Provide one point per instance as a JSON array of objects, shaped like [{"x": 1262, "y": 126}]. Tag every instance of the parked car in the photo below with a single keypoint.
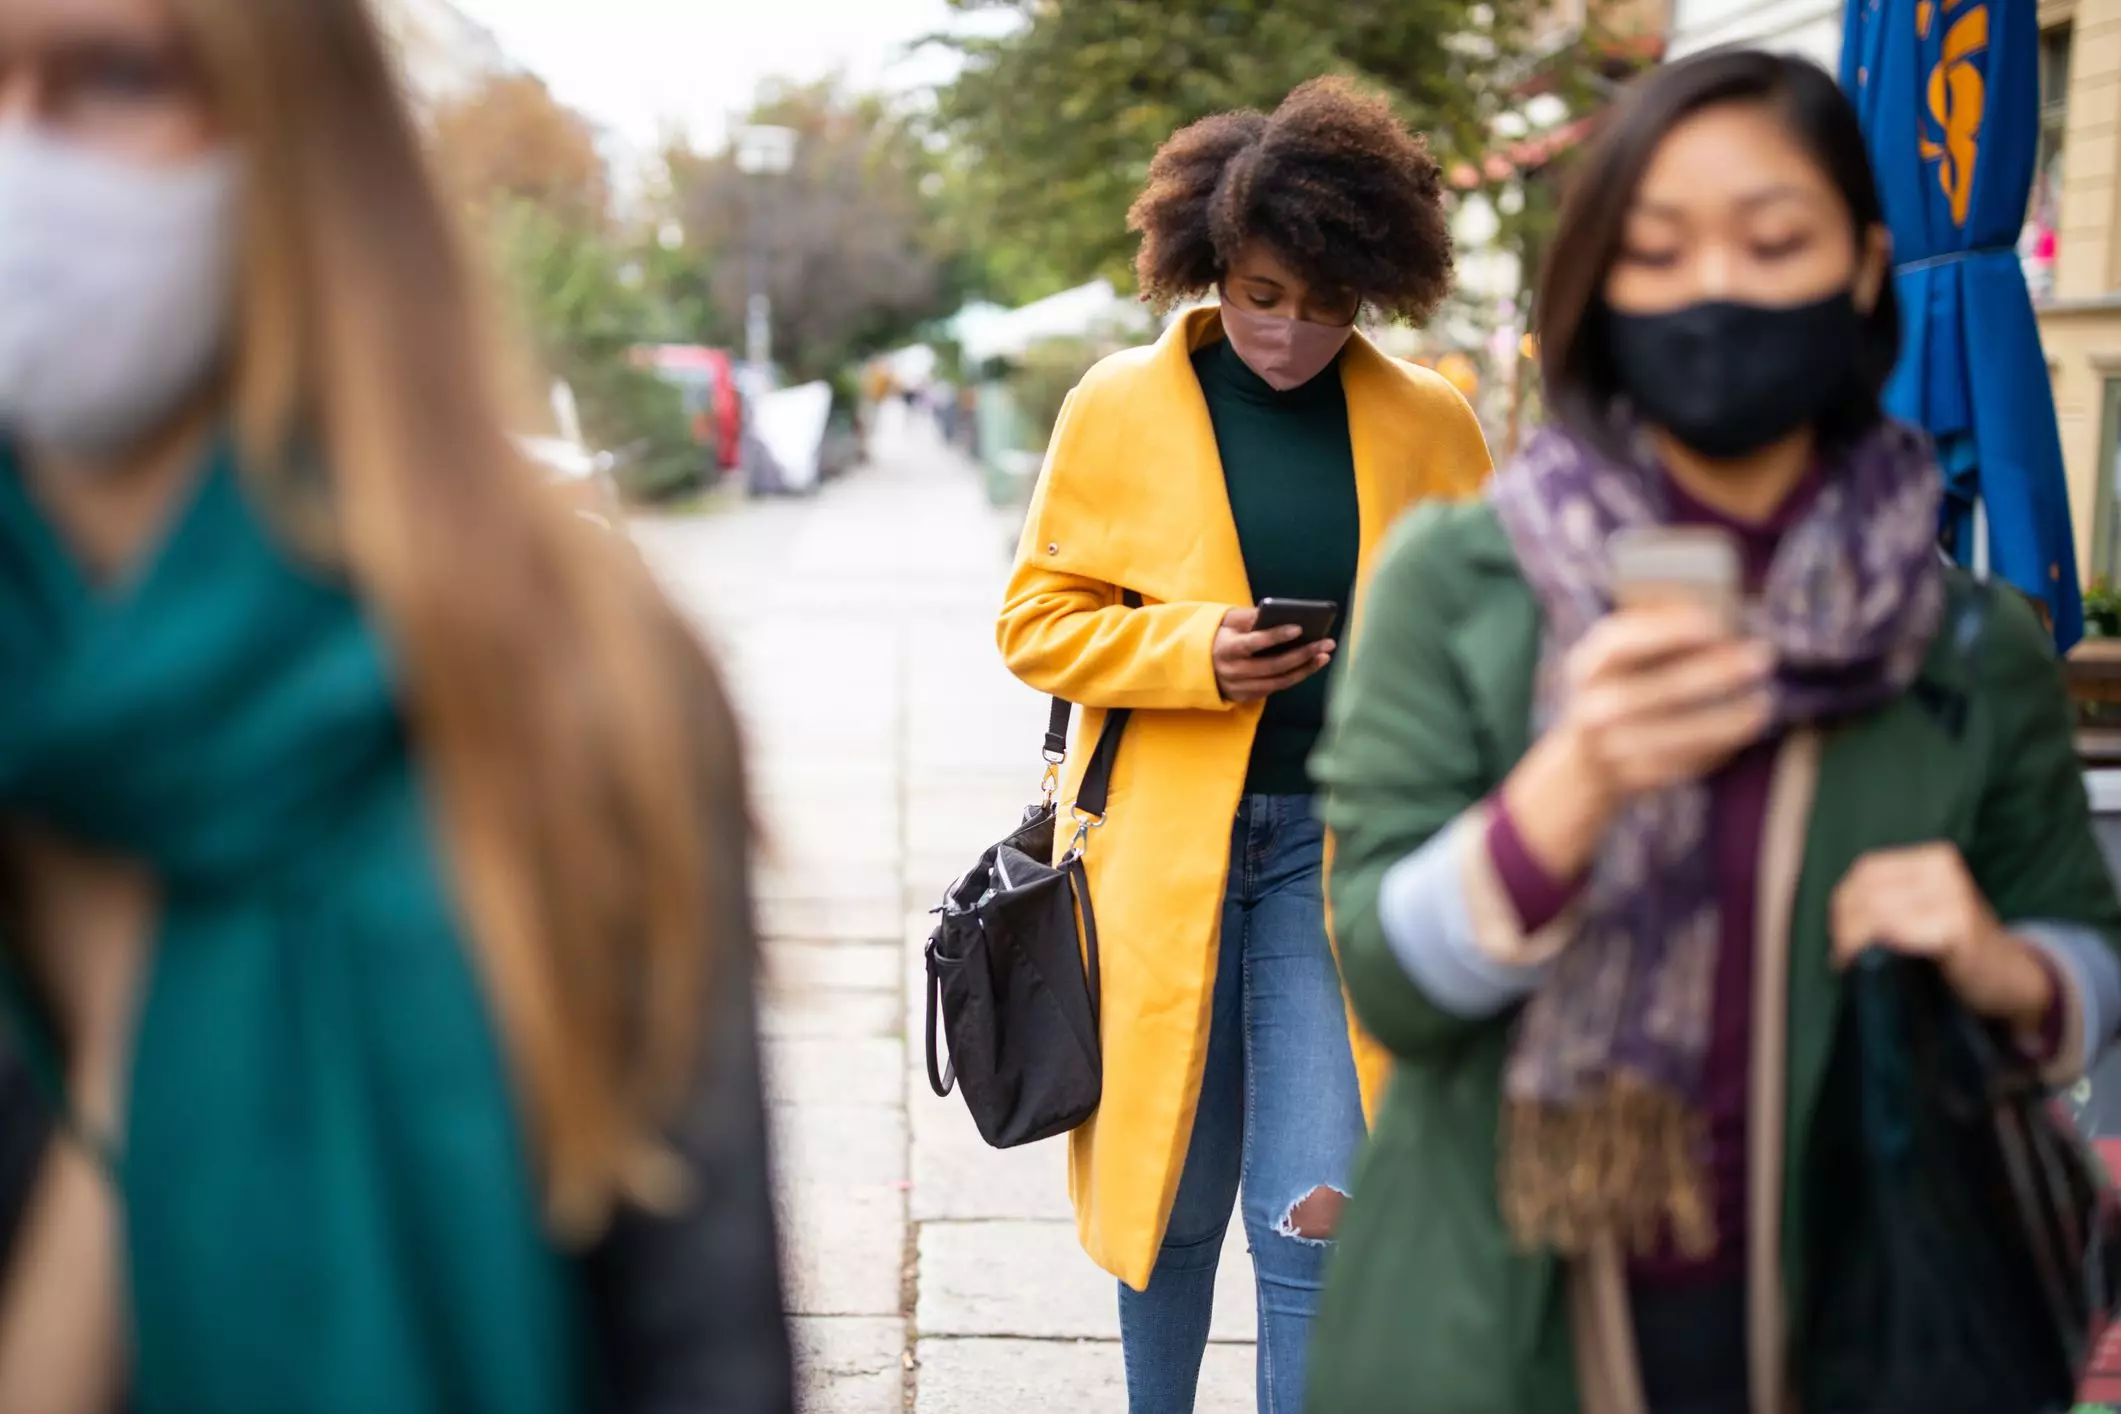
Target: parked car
[{"x": 714, "y": 398}]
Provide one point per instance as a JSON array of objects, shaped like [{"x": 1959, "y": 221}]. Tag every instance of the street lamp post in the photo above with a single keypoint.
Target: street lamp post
[{"x": 761, "y": 151}]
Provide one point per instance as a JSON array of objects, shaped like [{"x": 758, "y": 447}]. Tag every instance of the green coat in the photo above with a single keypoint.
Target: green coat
[{"x": 1429, "y": 1308}]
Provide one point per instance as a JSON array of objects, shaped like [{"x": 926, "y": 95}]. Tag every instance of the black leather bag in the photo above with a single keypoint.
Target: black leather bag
[
  {"x": 1013, "y": 966},
  {"x": 1963, "y": 1250}
]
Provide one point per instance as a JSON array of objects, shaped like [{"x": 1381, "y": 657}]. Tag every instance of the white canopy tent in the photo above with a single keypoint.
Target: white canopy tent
[{"x": 987, "y": 331}]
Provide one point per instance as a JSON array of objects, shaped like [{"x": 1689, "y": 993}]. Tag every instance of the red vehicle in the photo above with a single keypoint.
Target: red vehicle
[{"x": 707, "y": 378}]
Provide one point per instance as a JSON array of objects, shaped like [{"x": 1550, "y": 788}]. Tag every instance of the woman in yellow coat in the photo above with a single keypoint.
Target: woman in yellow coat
[{"x": 1261, "y": 449}]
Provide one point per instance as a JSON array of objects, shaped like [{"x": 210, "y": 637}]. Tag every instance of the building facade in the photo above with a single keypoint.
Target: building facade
[{"x": 2076, "y": 229}]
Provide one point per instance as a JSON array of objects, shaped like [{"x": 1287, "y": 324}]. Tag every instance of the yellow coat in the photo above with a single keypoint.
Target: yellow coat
[{"x": 1133, "y": 497}]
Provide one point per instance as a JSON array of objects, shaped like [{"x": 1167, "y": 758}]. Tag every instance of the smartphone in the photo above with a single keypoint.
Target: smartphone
[
  {"x": 1660, "y": 563},
  {"x": 1316, "y": 617}
]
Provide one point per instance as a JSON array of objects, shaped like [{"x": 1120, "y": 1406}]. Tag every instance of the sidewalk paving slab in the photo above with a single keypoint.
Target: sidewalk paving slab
[
  {"x": 850, "y": 920},
  {"x": 851, "y": 1364},
  {"x": 828, "y": 829},
  {"x": 833, "y": 1070},
  {"x": 830, "y": 1015},
  {"x": 850, "y": 1144},
  {"x": 831, "y": 967},
  {"x": 842, "y": 1249},
  {"x": 1061, "y": 1377},
  {"x": 824, "y": 879},
  {"x": 957, "y": 1177},
  {"x": 1032, "y": 1279}
]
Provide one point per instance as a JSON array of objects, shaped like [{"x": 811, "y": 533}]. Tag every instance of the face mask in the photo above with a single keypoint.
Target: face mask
[
  {"x": 116, "y": 291},
  {"x": 1730, "y": 379},
  {"x": 1286, "y": 353}
]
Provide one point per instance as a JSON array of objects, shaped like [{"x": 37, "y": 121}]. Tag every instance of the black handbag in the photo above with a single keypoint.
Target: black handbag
[
  {"x": 1013, "y": 966},
  {"x": 1963, "y": 1249}
]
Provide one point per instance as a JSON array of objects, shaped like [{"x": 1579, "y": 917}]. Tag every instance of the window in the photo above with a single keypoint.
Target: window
[
  {"x": 2054, "y": 70},
  {"x": 2043, "y": 215},
  {"x": 2106, "y": 525}
]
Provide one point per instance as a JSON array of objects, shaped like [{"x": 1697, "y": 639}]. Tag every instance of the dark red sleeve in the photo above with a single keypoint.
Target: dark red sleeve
[
  {"x": 2044, "y": 1045},
  {"x": 1537, "y": 895}
]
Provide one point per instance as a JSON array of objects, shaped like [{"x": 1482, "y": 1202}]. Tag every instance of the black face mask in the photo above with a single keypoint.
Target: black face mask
[{"x": 1729, "y": 379}]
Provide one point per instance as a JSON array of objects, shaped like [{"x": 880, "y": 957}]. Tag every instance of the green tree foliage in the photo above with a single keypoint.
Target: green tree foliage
[
  {"x": 1045, "y": 375},
  {"x": 856, "y": 259},
  {"x": 677, "y": 286},
  {"x": 1056, "y": 120},
  {"x": 510, "y": 140},
  {"x": 527, "y": 176},
  {"x": 586, "y": 314},
  {"x": 1008, "y": 267}
]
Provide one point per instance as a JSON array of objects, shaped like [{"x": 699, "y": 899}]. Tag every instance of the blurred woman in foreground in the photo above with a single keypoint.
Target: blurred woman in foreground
[
  {"x": 374, "y": 836},
  {"x": 1604, "y": 852}
]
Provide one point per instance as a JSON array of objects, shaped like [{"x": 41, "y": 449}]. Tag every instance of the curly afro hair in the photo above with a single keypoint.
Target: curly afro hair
[{"x": 1333, "y": 182}]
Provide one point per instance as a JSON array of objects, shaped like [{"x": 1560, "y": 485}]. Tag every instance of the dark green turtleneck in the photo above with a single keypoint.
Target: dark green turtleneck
[{"x": 1291, "y": 475}]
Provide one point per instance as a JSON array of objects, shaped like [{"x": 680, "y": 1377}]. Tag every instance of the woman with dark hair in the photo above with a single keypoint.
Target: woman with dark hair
[
  {"x": 1603, "y": 849},
  {"x": 1260, "y": 449}
]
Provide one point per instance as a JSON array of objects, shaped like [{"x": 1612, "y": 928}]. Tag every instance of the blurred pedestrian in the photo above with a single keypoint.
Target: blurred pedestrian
[
  {"x": 943, "y": 405},
  {"x": 968, "y": 419},
  {"x": 1261, "y": 448},
  {"x": 373, "y": 833},
  {"x": 1598, "y": 866}
]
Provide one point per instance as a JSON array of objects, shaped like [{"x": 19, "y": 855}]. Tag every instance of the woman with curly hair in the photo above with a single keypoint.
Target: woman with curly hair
[{"x": 1260, "y": 450}]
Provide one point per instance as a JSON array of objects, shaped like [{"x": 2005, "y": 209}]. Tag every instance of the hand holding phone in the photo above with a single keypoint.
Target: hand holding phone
[
  {"x": 1667, "y": 688},
  {"x": 1657, "y": 565},
  {"x": 1664, "y": 689},
  {"x": 1313, "y": 618},
  {"x": 1259, "y": 653}
]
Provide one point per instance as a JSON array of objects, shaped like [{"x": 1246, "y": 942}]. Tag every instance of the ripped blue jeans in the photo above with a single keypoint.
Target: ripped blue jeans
[{"x": 1280, "y": 1120}]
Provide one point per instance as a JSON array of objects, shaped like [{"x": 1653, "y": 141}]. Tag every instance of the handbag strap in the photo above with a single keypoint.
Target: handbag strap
[
  {"x": 942, "y": 1076},
  {"x": 1079, "y": 881},
  {"x": 1096, "y": 785}
]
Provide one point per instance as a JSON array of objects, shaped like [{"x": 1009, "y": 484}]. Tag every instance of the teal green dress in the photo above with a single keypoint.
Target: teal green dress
[{"x": 329, "y": 1203}]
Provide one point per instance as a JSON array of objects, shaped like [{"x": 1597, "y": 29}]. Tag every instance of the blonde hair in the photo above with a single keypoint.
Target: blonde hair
[{"x": 573, "y": 730}]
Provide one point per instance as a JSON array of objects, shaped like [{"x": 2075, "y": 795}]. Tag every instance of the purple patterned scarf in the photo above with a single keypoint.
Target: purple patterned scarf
[{"x": 1603, "y": 1129}]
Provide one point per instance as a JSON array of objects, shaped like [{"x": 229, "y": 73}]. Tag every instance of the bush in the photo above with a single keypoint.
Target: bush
[
  {"x": 2102, "y": 610},
  {"x": 635, "y": 414},
  {"x": 1043, "y": 379},
  {"x": 585, "y": 319}
]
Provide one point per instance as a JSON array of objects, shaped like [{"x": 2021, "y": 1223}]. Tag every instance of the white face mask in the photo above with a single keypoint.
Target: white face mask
[{"x": 117, "y": 289}]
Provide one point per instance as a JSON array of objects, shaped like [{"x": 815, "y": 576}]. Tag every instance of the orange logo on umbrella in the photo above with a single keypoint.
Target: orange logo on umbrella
[{"x": 1958, "y": 98}]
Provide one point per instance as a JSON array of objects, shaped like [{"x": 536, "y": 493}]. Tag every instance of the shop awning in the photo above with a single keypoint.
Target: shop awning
[{"x": 1949, "y": 97}]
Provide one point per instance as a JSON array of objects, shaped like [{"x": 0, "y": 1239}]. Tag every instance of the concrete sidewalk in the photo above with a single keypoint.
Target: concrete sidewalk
[{"x": 889, "y": 746}]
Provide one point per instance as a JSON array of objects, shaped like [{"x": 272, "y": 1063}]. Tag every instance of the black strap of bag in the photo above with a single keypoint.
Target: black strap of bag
[
  {"x": 1096, "y": 787},
  {"x": 942, "y": 1075}
]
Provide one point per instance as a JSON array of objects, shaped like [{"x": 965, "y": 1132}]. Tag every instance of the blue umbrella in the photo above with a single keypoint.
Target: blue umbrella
[{"x": 1949, "y": 94}]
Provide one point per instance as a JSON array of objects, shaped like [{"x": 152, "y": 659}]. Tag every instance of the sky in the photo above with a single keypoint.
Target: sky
[{"x": 634, "y": 65}]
